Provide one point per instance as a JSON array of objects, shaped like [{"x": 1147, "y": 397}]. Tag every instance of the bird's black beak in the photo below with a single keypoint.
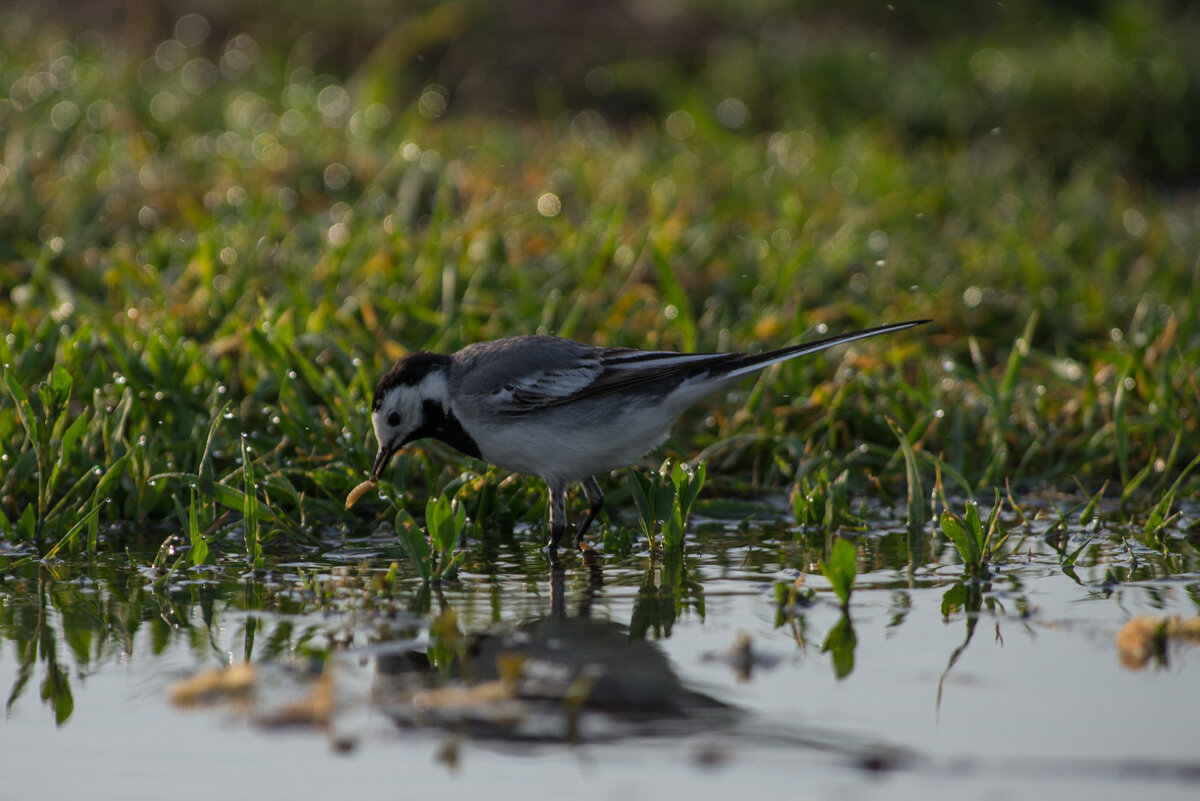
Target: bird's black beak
[{"x": 383, "y": 457}]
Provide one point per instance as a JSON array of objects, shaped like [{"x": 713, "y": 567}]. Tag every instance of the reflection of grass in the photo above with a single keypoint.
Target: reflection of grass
[
  {"x": 202, "y": 287},
  {"x": 966, "y": 596},
  {"x": 841, "y": 641}
]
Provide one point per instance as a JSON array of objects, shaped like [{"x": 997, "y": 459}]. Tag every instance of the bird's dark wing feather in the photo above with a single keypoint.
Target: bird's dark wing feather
[{"x": 615, "y": 370}]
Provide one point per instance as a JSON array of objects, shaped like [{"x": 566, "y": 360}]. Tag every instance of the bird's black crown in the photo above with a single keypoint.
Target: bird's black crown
[{"x": 408, "y": 371}]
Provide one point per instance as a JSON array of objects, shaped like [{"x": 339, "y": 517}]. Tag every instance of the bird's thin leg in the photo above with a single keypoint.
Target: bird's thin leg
[
  {"x": 558, "y": 595},
  {"x": 558, "y": 512},
  {"x": 595, "y": 497}
]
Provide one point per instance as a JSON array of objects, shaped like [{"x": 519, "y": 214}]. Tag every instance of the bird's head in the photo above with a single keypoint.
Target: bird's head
[{"x": 401, "y": 409}]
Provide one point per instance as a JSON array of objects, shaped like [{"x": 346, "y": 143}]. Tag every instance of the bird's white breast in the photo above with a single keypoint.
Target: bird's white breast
[{"x": 571, "y": 442}]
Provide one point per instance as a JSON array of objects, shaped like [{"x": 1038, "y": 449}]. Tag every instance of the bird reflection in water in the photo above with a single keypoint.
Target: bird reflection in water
[{"x": 562, "y": 677}]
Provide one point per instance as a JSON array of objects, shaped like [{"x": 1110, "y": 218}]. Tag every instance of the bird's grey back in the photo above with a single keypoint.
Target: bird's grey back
[{"x": 486, "y": 366}]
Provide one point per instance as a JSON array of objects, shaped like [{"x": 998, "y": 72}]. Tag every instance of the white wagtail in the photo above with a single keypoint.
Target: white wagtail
[{"x": 556, "y": 409}]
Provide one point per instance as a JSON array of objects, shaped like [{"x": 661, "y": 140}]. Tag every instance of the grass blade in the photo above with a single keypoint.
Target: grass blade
[{"x": 916, "y": 495}]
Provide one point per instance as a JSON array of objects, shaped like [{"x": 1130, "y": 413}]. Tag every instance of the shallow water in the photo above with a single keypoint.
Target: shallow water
[{"x": 720, "y": 689}]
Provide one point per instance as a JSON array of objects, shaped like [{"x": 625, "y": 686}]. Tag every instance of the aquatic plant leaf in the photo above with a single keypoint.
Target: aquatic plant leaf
[
  {"x": 70, "y": 439},
  {"x": 27, "y": 524},
  {"x": 664, "y": 500},
  {"x": 250, "y": 505},
  {"x": 841, "y": 569},
  {"x": 199, "y": 552},
  {"x": 965, "y": 542},
  {"x": 1068, "y": 561},
  {"x": 25, "y": 413},
  {"x": 688, "y": 487},
  {"x": 60, "y": 382},
  {"x": 414, "y": 543},
  {"x": 642, "y": 489},
  {"x": 1160, "y": 515}
]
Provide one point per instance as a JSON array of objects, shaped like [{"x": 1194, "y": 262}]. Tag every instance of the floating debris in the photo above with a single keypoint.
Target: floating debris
[
  {"x": 742, "y": 657},
  {"x": 213, "y": 685},
  {"x": 1145, "y": 637},
  {"x": 315, "y": 708}
]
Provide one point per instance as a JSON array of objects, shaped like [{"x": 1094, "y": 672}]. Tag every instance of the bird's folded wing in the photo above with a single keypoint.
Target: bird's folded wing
[
  {"x": 540, "y": 389},
  {"x": 616, "y": 370}
]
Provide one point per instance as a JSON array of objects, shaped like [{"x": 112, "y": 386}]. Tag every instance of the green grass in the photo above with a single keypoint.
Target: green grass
[
  {"x": 664, "y": 502},
  {"x": 433, "y": 553},
  {"x": 201, "y": 288},
  {"x": 977, "y": 543}
]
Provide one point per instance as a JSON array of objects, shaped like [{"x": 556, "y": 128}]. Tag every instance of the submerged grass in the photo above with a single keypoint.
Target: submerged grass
[{"x": 201, "y": 289}]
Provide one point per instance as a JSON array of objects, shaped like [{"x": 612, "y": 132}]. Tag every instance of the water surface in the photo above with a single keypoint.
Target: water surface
[{"x": 931, "y": 687}]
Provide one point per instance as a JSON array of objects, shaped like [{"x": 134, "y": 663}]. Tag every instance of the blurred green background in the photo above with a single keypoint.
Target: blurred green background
[{"x": 1066, "y": 79}]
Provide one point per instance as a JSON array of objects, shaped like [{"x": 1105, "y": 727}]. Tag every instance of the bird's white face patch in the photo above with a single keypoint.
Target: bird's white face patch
[{"x": 402, "y": 410}]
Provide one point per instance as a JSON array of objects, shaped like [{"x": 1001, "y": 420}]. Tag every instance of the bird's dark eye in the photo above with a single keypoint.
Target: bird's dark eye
[{"x": 394, "y": 419}]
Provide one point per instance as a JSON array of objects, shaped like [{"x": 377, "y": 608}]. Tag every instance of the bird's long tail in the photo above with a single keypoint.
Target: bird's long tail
[{"x": 757, "y": 361}]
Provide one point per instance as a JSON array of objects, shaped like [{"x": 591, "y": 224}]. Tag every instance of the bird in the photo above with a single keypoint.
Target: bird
[{"x": 557, "y": 409}]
